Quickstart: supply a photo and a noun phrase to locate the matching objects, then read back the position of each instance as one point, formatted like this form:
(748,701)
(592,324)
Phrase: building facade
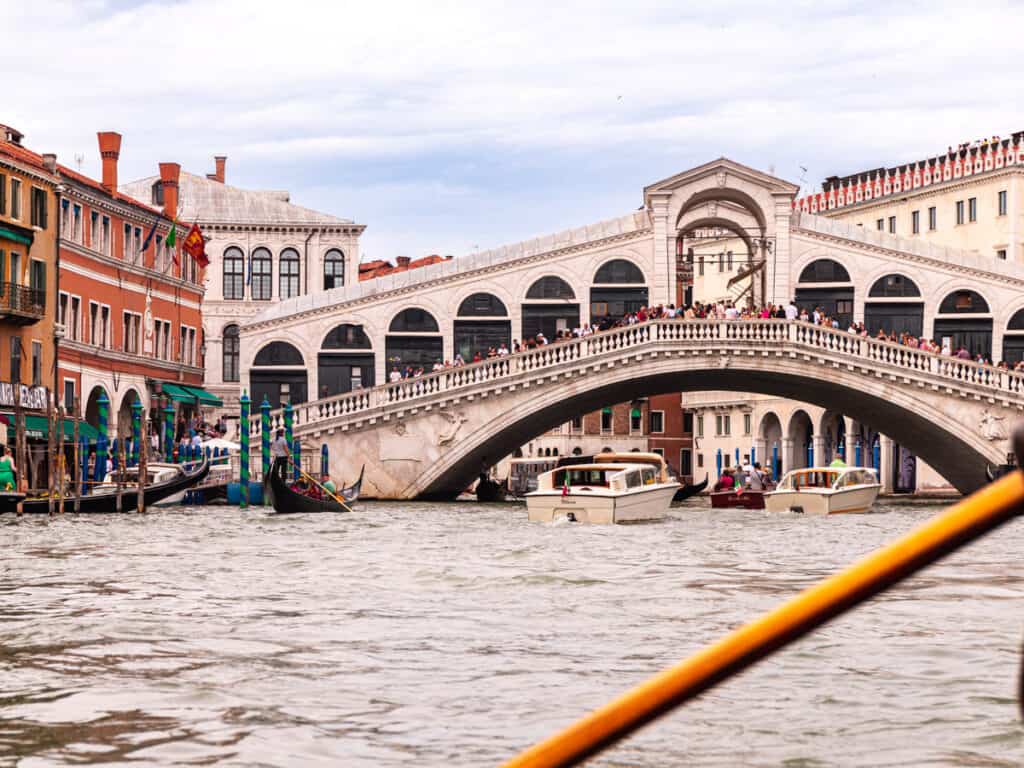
(262,249)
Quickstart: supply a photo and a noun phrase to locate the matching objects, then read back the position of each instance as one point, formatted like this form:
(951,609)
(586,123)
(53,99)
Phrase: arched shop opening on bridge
(278,374)
(413,339)
(619,288)
(826,283)
(550,307)
(894,305)
(1013,339)
(345,362)
(481,324)
(964,320)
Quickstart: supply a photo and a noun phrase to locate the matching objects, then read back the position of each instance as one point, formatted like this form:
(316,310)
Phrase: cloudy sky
(444,126)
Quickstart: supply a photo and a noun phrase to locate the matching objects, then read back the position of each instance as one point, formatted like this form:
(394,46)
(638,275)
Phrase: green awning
(635,413)
(178,393)
(37,427)
(205,398)
(606,410)
(8,234)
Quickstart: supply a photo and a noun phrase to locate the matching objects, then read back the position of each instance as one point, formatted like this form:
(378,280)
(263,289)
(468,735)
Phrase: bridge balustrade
(793,335)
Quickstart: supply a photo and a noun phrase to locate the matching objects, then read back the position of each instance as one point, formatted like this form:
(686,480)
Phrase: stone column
(885,471)
(1013,252)
(852,430)
(820,456)
(663,280)
(762,451)
(787,454)
(778,266)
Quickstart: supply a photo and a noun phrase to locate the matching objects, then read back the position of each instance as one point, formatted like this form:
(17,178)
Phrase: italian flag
(565,484)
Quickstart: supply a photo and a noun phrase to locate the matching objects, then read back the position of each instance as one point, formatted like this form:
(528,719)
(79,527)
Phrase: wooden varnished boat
(100,503)
(287,501)
(741,500)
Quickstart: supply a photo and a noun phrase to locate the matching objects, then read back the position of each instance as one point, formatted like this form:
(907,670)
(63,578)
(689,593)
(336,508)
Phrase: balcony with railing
(20,304)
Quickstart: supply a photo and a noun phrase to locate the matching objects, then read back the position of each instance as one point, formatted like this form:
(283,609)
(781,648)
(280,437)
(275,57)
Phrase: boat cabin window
(818,479)
(647,474)
(856,477)
(633,478)
(577,477)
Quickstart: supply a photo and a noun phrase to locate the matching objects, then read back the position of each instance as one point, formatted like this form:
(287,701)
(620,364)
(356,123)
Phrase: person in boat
(279,452)
(755,478)
(328,484)
(8,479)
(726,482)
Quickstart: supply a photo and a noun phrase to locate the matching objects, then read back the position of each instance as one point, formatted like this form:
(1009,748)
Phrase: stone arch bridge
(431,436)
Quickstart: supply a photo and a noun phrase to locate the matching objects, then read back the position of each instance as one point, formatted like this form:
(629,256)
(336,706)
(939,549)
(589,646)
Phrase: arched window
(234,274)
(413,321)
(963,302)
(262,274)
(230,344)
(346,336)
(824,271)
(278,353)
(482,305)
(288,269)
(551,287)
(334,269)
(1017,321)
(619,271)
(893,286)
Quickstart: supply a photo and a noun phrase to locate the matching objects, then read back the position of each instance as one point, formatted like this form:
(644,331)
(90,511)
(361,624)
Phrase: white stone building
(262,249)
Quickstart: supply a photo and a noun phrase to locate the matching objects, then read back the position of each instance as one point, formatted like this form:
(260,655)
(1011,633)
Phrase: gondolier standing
(279,453)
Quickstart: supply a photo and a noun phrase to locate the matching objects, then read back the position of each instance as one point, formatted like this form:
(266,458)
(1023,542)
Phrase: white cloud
(398,89)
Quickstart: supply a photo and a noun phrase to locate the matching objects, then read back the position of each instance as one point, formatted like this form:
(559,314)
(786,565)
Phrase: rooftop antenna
(79,159)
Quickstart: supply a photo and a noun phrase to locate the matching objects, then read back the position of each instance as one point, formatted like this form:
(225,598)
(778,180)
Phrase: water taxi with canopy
(611,488)
(825,491)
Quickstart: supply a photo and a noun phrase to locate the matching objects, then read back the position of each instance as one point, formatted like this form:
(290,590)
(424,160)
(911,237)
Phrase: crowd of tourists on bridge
(701,311)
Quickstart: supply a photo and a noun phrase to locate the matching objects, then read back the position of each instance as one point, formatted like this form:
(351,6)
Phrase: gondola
(690,490)
(286,501)
(994,471)
(101,503)
(488,490)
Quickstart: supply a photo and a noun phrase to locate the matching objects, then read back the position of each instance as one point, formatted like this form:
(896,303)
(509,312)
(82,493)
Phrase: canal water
(456,634)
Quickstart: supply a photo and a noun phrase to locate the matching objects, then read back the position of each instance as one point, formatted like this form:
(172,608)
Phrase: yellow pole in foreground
(964,522)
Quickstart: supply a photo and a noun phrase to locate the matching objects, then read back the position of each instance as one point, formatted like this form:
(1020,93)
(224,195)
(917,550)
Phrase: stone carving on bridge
(456,420)
(991,426)
(720,178)
(712,209)
(400,428)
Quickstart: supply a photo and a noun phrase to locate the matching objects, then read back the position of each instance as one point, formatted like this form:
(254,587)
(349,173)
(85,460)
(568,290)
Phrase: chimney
(110,150)
(169,173)
(402,261)
(220,161)
(50,162)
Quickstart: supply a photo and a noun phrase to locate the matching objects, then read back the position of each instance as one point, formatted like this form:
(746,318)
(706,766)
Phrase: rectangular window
(187,344)
(105,236)
(1001,254)
(16,213)
(635,421)
(933,218)
(892,225)
(137,245)
(688,423)
(880,225)
(62,310)
(726,423)
(39,207)
(721,262)
(69,395)
(746,423)
(1002,202)
(37,281)
(130,332)
(700,426)
(3,194)
(75,319)
(915,222)
(94,323)
(37,363)
(657,422)
(972,209)
(76,223)
(104,332)
(606,420)
(729,256)
(718,424)
(700,460)
(685,462)
(576,425)
(700,266)
(126,242)
(959,211)
(15,359)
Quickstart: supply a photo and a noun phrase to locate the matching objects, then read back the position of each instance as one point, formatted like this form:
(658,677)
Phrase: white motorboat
(610,488)
(825,491)
(160,472)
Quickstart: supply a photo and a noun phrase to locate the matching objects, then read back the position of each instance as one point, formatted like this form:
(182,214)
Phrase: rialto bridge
(327,351)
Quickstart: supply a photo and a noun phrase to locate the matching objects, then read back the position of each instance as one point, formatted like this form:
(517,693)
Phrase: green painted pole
(243,455)
(136,430)
(265,438)
(289,415)
(168,432)
(103,417)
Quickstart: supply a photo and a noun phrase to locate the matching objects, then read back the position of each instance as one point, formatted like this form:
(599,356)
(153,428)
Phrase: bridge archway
(935,435)
(481,323)
(800,433)
(619,287)
(769,436)
(278,374)
(414,340)
(550,305)
(826,283)
(1013,338)
(964,319)
(345,361)
(894,305)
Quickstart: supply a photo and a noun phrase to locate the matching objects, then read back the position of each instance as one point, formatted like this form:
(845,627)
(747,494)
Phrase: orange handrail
(966,521)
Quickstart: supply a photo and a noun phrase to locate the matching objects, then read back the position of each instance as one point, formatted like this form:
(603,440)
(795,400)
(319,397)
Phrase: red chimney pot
(110,150)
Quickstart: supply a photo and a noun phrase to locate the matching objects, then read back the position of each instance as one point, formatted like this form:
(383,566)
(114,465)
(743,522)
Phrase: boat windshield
(576,477)
(810,479)
(856,477)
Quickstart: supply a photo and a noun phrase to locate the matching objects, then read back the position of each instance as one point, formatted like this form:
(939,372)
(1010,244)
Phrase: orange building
(128,304)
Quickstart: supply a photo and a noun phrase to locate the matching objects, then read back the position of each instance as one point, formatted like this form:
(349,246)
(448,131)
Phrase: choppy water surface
(457,634)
